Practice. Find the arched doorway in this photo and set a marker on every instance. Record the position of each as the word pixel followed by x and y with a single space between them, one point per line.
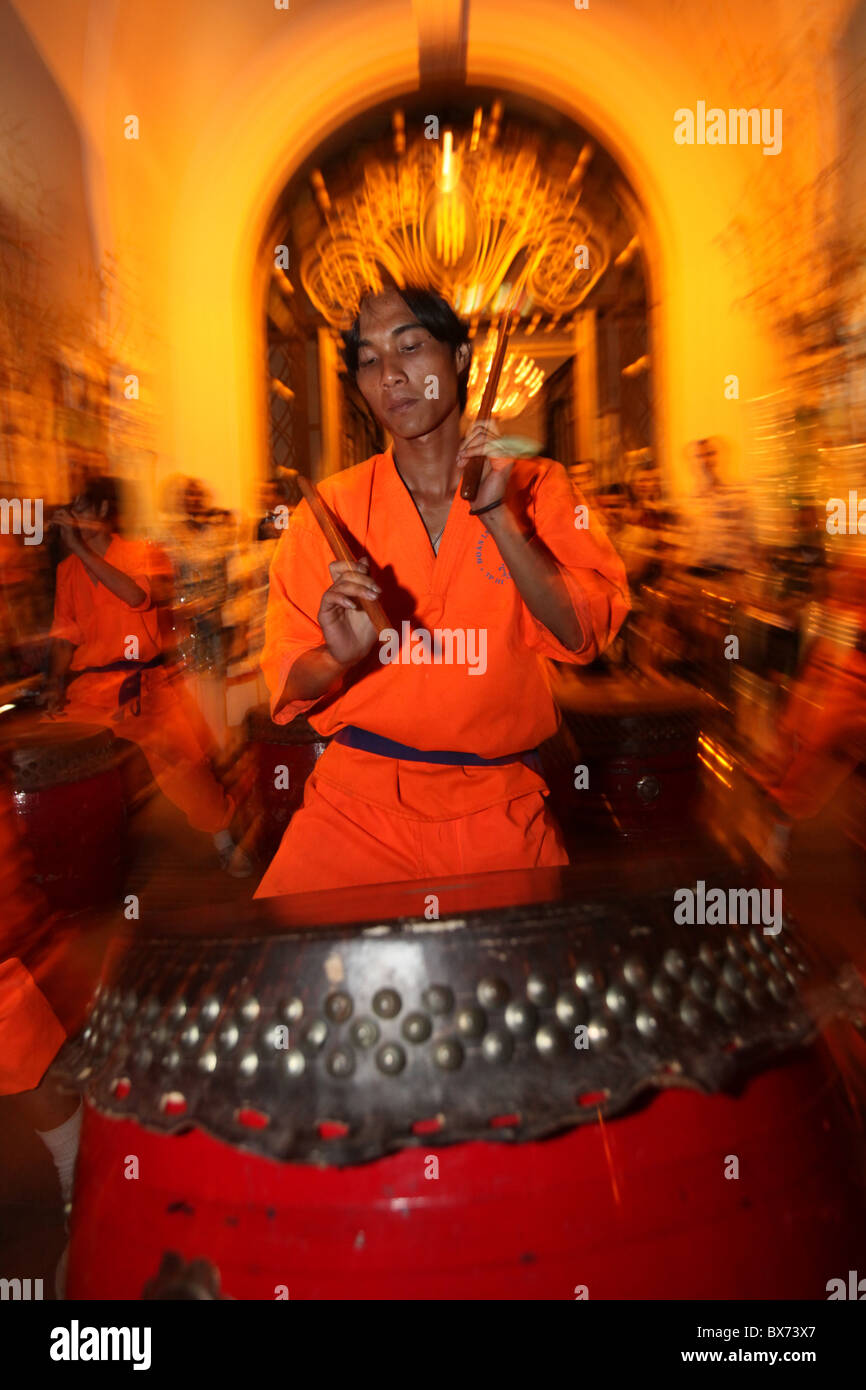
pixel 478 193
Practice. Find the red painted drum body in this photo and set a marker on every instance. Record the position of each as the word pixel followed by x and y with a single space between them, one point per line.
pixel 69 802
pixel 552 1087
pixel 284 756
pixel 659 1220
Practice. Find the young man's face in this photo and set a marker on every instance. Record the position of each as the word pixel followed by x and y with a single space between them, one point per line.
pixel 407 377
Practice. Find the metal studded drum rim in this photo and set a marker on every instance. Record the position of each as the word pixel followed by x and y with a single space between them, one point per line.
pixel 196 1019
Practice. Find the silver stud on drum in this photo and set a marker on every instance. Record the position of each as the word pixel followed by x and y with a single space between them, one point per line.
pixel 209 1009
pixel 314 1035
pixel 571 1009
pixel 635 972
pixel 248 1063
pixel 341 1062
pixel 701 983
pixel 619 1001
pixel 648 788
pixel 676 963
pixel 520 1019
pixel 492 993
pixel 471 1022
pixel 250 1010
pixel 497 1047
pixel 589 980
pixel 602 1033
pixel 663 992
pixel 295 1062
pixel 647 1023
pixel 439 999
pixel 707 956
pixel 208 1060
pixel 448 1054
pixel 228 1037
pixel 539 991
pixel 733 977
pixel 387 1003
pixel 550 1040
pixel 291 1010
pixel 190 1036
pixel 691 1014
pixel 416 1028
pixel 364 1032
pixel 338 1006
pixel 391 1059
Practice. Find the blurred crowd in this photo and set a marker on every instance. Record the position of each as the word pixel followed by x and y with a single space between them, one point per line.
pixel 774 635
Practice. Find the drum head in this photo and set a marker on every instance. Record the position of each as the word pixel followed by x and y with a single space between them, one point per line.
pixel 47 754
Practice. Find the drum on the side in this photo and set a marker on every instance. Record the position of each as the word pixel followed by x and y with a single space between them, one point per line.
pixel 511 1102
pixel 68 798
pixel 633 752
pixel 284 755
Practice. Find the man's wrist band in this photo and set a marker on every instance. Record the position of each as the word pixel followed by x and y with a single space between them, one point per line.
pixel 488 508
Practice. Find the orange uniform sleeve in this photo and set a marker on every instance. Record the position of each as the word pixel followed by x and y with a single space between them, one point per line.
pixel 142 561
pixel 65 624
pixel 299 575
pixel 593 573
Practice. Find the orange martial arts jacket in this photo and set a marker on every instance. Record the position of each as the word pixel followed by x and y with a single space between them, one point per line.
pixel 100 624
pixel 476 683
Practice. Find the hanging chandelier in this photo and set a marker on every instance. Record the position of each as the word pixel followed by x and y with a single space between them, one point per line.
pixel 520 380
pixel 465 213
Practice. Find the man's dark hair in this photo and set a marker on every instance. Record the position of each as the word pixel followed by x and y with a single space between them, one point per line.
pixel 99 489
pixel 434 313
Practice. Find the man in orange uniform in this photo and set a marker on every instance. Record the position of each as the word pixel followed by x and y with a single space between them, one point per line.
pixel 107 647
pixel 435 721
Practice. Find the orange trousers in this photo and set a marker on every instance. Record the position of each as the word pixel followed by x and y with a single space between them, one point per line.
pixel 337 840
pixel 172 736
pixel 31 1034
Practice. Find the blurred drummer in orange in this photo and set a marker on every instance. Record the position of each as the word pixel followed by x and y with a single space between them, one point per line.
pixel 107 647
pixel 432 769
pixel 822 733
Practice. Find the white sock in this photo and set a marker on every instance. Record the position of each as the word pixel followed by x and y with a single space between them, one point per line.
pixel 223 840
pixel 62 1144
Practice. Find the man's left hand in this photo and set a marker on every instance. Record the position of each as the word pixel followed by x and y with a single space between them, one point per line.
pixel 483 439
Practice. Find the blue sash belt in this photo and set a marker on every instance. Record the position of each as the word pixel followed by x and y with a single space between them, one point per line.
pixel 353 737
pixel 129 692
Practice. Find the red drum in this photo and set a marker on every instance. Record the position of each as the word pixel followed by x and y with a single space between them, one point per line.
pixel 69 801
pixel 651 1215
pixel 509 1102
pixel 639 744
pixel 284 756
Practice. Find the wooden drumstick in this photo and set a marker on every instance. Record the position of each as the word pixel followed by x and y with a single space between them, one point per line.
pixel 473 467
pixel 331 531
